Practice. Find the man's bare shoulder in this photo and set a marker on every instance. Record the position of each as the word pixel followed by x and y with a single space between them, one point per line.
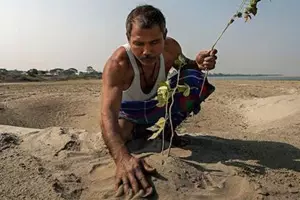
pixel 172 46
pixel 118 60
pixel 117 67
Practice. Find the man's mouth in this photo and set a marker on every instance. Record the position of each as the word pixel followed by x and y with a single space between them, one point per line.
pixel 147 59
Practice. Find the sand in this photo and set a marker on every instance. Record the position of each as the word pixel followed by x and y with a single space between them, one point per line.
pixel 245 144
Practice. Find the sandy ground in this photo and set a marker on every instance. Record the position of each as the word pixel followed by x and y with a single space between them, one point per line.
pixel 245 144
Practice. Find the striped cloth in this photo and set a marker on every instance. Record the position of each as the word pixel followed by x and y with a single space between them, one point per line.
pixel 147 113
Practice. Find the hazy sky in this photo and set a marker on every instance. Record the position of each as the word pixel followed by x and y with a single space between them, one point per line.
pixel 45 34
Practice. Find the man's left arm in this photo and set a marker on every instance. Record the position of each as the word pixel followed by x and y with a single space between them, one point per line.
pixel 204 59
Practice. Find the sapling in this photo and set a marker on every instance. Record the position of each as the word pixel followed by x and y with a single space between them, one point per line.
pixel 165 92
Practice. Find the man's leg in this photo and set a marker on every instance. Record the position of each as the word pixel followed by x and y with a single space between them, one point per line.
pixel 126 129
pixel 130 131
pixel 183 106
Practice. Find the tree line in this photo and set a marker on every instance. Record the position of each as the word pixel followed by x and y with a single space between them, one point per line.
pixel 54 74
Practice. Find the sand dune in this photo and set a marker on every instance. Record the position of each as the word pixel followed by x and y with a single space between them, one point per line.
pixel 245 145
pixel 260 111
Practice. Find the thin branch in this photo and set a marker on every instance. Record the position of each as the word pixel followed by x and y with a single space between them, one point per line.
pixel 170 109
pixel 220 36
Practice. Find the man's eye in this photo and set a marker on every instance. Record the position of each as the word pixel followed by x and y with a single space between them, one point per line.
pixel 155 42
pixel 139 43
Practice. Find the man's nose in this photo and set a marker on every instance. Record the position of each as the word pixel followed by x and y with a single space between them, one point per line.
pixel 147 49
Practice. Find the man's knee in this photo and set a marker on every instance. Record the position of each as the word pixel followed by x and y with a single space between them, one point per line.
pixel 126 129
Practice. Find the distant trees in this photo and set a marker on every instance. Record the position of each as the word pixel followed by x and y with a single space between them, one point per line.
pixel 90 70
pixel 48 75
pixel 42 72
pixel 70 72
pixel 32 72
pixel 3 71
pixel 56 71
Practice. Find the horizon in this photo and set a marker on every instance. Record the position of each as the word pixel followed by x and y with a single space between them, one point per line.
pixel 209 73
pixel 75 34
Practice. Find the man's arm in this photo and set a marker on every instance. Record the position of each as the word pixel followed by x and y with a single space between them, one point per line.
pixel 110 105
pixel 129 170
pixel 176 50
pixel 203 60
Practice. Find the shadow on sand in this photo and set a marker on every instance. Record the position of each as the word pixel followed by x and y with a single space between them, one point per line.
pixel 234 152
pixel 273 155
pixel 268 154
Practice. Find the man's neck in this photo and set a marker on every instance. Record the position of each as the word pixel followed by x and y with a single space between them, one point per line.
pixel 149 68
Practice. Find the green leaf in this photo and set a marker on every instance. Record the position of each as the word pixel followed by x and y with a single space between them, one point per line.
pixel 153 128
pixel 158 127
pixel 160 104
pixel 185 89
pixel 181 88
pixel 162 94
pixel 156 134
pixel 165 83
pixel 161 122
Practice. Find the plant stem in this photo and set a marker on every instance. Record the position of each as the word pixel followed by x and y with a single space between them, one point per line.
pixel 220 36
pixel 170 109
pixel 163 133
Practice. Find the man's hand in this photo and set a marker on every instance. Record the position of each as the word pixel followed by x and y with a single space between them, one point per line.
pixel 206 60
pixel 130 172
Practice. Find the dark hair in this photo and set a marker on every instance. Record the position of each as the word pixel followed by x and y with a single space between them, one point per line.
pixel 146 16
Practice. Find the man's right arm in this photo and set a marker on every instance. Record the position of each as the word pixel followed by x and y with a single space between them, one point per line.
pixel 129 170
pixel 112 78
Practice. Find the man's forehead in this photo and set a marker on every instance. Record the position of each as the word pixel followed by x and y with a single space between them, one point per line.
pixel 145 38
pixel 146 33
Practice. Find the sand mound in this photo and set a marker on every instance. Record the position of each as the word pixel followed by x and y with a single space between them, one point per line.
pixel 68 163
pixel 73 164
pixel 262 111
pixel 7 140
pixel 48 110
pixel 180 179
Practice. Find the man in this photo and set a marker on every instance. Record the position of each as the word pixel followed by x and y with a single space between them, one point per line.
pixel 130 77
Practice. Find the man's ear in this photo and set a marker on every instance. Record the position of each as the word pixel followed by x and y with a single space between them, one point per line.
pixel 165 33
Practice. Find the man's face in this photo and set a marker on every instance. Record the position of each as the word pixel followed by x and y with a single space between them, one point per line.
pixel 146 44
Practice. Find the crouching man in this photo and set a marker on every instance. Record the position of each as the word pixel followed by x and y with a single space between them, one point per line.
pixel 131 77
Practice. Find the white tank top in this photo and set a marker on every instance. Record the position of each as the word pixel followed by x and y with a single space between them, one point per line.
pixel 134 92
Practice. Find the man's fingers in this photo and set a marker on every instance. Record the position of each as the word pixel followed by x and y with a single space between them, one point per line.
pixel 117 183
pixel 133 182
pixel 120 191
pixel 209 62
pixel 213 52
pixel 148 190
pixel 142 179
pixel 125 184
pixel 209 65
pixel 210 58
pixel 204 53
pixel 147 167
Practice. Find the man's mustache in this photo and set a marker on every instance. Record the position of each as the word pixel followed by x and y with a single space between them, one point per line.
pixel 147 57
